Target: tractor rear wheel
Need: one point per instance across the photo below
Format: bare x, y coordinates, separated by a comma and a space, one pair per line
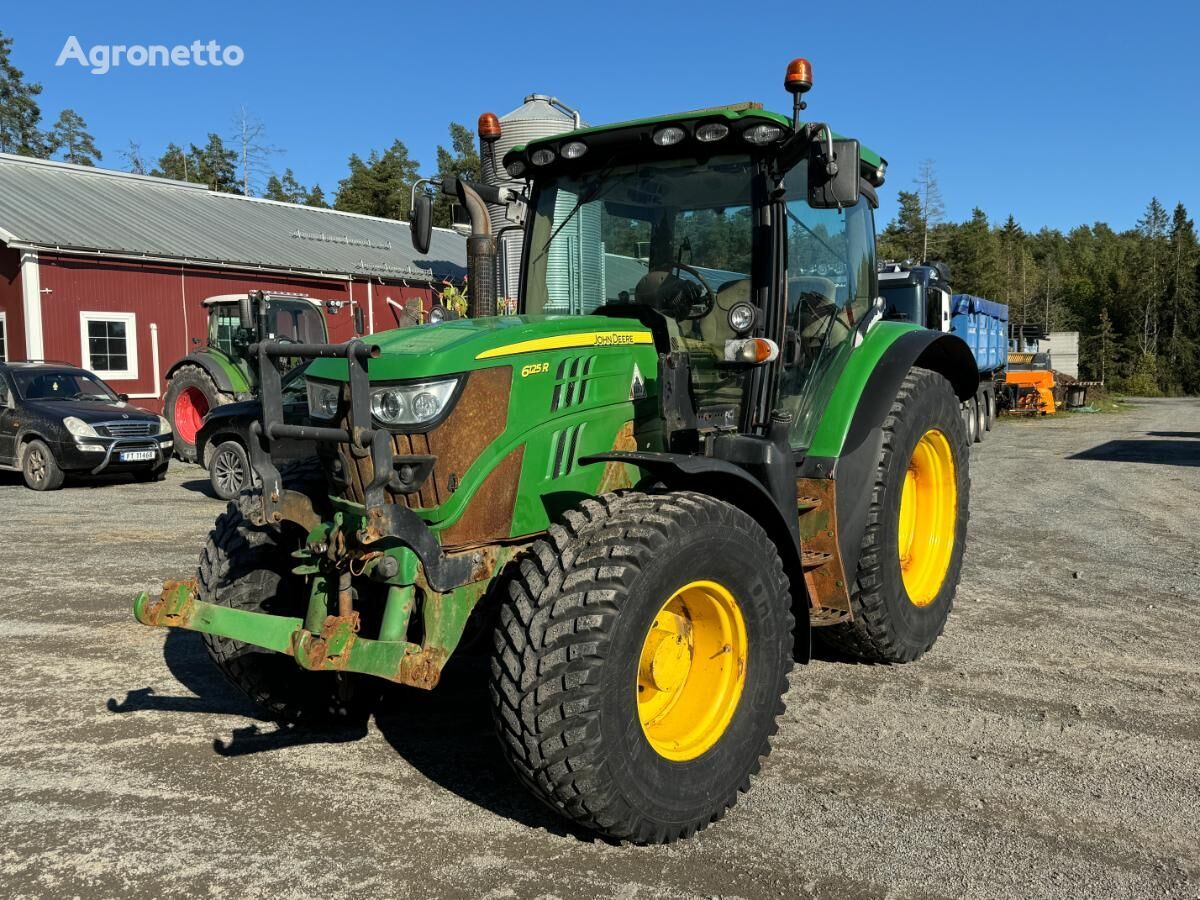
191, 394
247, 567
912, 548
640, 662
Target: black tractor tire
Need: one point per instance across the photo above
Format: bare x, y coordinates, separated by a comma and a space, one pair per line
887, 626
570, 643
247, 567
190, 387
229, 470
977, 405
40, 468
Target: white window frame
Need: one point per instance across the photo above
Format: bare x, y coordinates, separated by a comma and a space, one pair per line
4, 333
130, 372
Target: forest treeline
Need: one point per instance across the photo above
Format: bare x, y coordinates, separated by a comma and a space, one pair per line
1133, 295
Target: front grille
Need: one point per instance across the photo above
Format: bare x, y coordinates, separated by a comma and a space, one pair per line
127, 429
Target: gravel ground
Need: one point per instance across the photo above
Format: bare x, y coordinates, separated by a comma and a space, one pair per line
1049, 746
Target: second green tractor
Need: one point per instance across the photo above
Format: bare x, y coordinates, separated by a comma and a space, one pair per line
697, 446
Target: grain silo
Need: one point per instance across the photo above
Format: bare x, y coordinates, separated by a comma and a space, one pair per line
576, 266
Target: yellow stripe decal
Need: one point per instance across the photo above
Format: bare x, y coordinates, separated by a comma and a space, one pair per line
565, 341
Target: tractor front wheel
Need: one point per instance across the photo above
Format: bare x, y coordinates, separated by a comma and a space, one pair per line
250, 568
640, 662
912, 548
191, 395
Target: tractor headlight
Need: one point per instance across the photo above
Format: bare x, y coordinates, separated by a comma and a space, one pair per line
79, 428
762, 134
711, 131
412, 404
741, 317
669, 136
323, 399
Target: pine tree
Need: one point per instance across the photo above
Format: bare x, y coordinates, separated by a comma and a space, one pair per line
316, 197
69, 136
462, 159
174, 164
286, 188
213, 164
973, 255
1153, 229
20, 115
381, 186
1183, 316
216, 166
903, 237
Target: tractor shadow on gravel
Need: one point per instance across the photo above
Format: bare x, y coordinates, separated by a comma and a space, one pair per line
445, 734
185, 656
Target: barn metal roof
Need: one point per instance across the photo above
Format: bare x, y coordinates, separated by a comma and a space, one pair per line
46, 205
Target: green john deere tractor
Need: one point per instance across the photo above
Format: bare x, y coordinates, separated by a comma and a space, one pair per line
697, 445
224, 370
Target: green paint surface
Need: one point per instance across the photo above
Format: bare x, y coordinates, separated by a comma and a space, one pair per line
835, 420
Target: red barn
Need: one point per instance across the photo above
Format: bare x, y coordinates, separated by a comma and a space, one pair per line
88, 253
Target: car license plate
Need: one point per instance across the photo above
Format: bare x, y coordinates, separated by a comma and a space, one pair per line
137, 456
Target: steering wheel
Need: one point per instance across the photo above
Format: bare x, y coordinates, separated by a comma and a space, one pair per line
660, 288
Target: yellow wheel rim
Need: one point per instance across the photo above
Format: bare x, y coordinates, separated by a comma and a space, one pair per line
928, 516
692, 670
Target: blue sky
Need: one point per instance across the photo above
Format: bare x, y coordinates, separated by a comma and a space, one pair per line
1060, 113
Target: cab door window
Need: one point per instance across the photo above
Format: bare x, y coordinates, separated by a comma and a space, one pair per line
831, 285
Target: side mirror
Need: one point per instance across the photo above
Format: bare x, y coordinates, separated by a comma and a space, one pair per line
246, 310
833, 183
124, 398
359, 326
421, 222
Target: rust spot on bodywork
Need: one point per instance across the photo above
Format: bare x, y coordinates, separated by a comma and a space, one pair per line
424, 669
615, 475
824, 575
488, 517
331, 649
174, 604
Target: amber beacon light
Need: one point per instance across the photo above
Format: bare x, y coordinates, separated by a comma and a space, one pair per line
799, 77
489, 127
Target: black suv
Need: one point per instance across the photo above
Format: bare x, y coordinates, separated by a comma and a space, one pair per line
57, 418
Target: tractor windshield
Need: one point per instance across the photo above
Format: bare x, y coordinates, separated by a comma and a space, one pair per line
675, 235
618, 234
297, 320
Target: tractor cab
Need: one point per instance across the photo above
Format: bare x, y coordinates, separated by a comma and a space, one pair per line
273, 316
226, 369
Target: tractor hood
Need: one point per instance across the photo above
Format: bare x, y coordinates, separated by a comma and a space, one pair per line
465, 344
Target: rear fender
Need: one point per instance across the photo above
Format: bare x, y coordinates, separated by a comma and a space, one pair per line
854, 460
225, 375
